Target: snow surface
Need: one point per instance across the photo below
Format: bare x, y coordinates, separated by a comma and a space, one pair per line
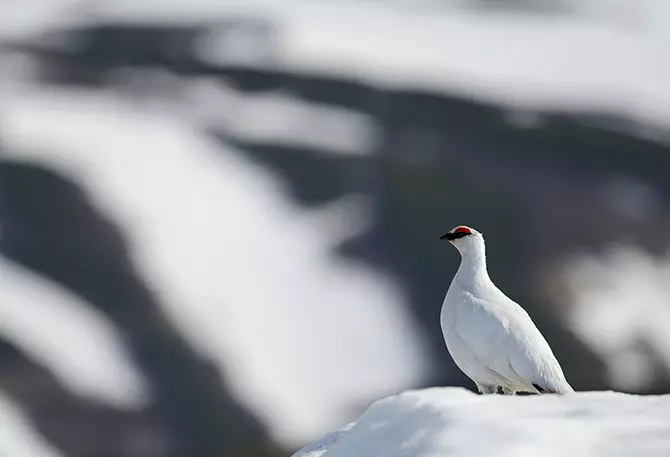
455, 422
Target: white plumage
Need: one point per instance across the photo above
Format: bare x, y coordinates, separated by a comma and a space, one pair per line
491, 338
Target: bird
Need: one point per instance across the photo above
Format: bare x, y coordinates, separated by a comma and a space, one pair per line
491, 338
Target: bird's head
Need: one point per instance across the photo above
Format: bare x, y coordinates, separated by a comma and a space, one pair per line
465, 239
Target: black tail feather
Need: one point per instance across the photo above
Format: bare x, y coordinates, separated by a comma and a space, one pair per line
542, 390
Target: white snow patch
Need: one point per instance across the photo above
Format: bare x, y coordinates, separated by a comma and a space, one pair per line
321, 446
247, 275
280, 118
18, 437
455, 422
69, 337
543, 62
621, 311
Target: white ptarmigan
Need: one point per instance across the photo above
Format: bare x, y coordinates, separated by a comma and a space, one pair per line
491, 338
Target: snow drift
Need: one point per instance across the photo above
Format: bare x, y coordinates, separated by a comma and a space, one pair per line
455, 422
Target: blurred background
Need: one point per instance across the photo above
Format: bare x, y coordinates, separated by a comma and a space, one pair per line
220, 219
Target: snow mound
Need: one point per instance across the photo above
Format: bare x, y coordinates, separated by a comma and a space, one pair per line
454, 422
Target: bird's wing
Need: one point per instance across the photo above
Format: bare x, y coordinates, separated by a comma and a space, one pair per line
504, 338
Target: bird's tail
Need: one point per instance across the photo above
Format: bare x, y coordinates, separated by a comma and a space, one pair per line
557, 388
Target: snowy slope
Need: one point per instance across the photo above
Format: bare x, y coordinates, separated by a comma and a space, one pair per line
604, 56
455, 422
241, 224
